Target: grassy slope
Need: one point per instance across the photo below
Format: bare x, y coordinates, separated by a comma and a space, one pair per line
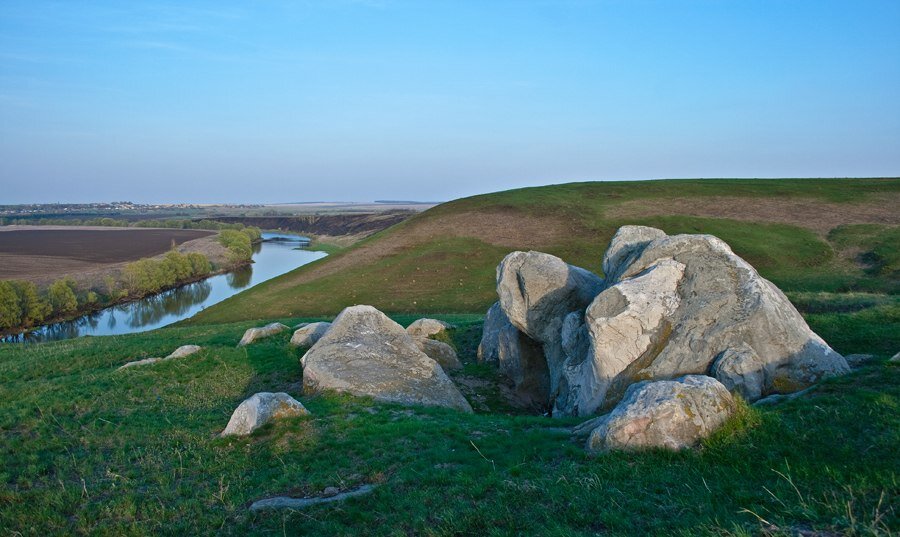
90, 450
444, 258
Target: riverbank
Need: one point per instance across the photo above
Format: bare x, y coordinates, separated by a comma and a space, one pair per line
270, 259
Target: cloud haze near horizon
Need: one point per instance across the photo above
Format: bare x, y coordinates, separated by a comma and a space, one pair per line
361, 100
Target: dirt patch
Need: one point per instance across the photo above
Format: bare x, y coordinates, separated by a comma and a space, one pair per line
818, 216
44, 254
506, 228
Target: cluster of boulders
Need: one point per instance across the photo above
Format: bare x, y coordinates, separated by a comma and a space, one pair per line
362, 352
661, 346
679, 324
366, 353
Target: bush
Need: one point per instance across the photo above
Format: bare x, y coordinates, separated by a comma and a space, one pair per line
62, 296
149, 276
200, 265
238, 244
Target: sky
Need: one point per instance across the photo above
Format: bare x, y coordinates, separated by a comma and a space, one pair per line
287, 101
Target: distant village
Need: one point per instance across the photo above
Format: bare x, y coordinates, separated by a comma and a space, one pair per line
113, 207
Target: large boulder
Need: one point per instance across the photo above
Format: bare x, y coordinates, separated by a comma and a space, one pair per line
686, 304
427, 327
308, 334
365, 353
259, 409
537, 291
255, 334
623, 329
670, 414
440, 352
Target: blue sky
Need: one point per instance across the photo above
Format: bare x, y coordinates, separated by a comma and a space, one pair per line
269, 101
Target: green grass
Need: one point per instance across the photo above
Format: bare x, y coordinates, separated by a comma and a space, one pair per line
89, 450
452, 270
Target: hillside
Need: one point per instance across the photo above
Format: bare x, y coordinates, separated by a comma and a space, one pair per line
806, 235
91, 450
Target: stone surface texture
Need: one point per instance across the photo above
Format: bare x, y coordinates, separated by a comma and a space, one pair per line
365, 353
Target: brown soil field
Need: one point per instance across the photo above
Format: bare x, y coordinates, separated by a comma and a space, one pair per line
42, 254
816, 215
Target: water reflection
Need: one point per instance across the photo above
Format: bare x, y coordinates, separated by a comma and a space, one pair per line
278, 254
240, 278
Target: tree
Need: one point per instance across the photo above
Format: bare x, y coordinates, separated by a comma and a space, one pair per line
33, 306
10, 312
62, 296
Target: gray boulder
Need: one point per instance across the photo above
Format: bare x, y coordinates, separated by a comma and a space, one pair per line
670, 414
537, 291
365, 353
259, 409
427, 327
440, 352
307, 335
628, 243
255, 334
741, 371
180, 352
674, 306
519, 358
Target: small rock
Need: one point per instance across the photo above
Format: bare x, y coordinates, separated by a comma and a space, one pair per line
330, 492
306, 336
427, 327
440, 352
259, 409
742, 371
285, 502
254, 334
858, 360
180, 352
895, 358
671, 414
776, 398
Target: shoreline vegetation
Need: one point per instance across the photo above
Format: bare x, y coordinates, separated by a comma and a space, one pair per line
24, 306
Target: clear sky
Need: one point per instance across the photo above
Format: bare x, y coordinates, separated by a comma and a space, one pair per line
264, 101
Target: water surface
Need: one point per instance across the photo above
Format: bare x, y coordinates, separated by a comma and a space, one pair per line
277, 254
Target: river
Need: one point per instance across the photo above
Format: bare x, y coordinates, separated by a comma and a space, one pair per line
277, 254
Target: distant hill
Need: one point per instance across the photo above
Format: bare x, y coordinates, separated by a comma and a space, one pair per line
806, 235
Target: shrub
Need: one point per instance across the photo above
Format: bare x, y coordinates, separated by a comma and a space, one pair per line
238, 244
200, 265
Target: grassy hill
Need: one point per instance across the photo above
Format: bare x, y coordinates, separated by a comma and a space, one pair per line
806, 235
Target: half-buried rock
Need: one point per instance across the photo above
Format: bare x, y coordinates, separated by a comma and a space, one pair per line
255, 334
364, 353
259, 409
671, 414
180, 352
427, 327
307, 335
